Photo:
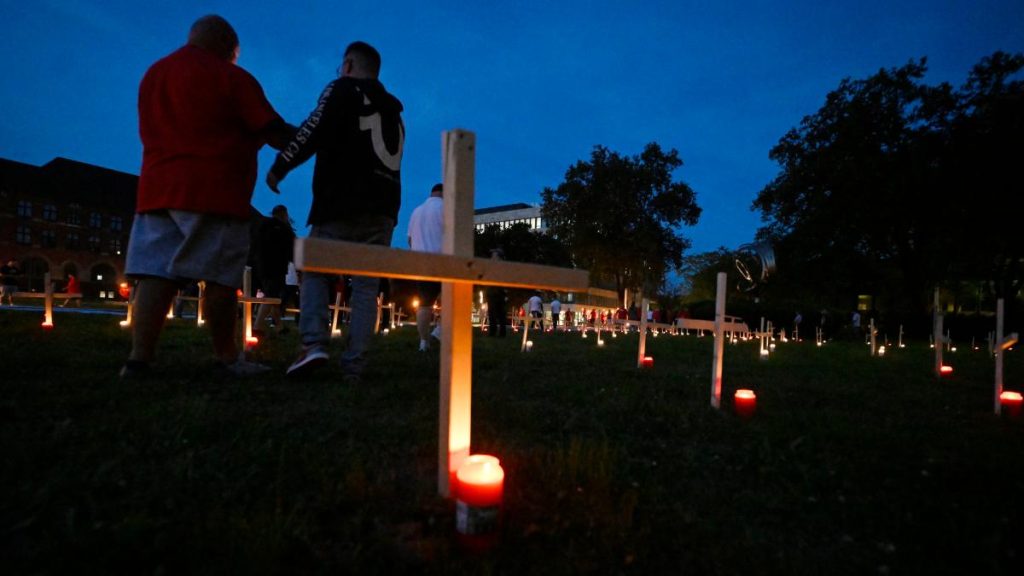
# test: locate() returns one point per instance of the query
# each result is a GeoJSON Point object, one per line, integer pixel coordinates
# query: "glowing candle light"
{"type": "Point", "coordinates": [1010, 403]}
{"type": "Point", "coordinates": [648, 362]}
{"type": "Point", "coordinates": [47, 325]}
{"type": "Point", "coordinates": [252, 341]}
{"type": "Point", "coordinates": [600, 342]}
{"type": "Point", "coordinates": [386, 331]}
{"type": "Point", "coordinates": [744, 402]}
{"type": "Point", "coordinates": [479, 488]}
{"type": "Point", "coordinates": [946, 369]}
{"type": "Point", "coordinates": [529, 345]}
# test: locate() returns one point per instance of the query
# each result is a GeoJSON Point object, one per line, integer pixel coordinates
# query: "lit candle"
{"type": "Point", "coordinates": [479, 486]}
{"type": "Point", "coordinates": [1011, 403]}
{"type": "Point", "coordinates": [946, 369]}
{"type": "Point", "coordinates": [648, 362]}
{"type": "Point", "coordinates": [529, 345]}
{"type": "Point", "coordinates": [744, 402]}
{"type": "Point", "coordinates": [47, 325]}
{"type": "Point", "coordinates": [252, 341]}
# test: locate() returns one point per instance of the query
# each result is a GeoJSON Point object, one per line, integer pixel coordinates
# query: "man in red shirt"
{"type": "Point", "coordinates": [202, 120]}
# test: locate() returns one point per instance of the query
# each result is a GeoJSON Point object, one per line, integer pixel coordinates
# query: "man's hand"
{"type": "Point", "coordinates": [272, 182]}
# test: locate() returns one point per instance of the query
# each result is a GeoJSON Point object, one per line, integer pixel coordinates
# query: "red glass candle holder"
{"type": "Point", "coordinates": [745, 403]}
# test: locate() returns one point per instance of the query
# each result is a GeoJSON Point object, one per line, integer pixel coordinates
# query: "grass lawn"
{"type": "Point", "coordinates": [852, 464]}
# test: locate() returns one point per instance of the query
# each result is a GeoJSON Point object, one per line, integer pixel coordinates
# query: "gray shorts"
{"type": "Point", "coordinates": [183, 246]}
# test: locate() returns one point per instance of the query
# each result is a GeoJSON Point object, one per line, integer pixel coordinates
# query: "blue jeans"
{"type": "Point", "coordinates": [315, 292]}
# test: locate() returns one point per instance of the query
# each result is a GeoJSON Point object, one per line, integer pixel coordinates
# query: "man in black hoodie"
{"type": "Point", "coordinates": [357, 134]}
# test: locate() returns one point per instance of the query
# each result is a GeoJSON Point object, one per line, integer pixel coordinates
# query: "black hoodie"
{"type": "Point", "coordinates": [357, 134]}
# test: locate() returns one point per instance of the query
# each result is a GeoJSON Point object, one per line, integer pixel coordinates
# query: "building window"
{"type": "Point", "coordinates": [116, 223]}
{"type": "Point", "coordinates": [48, 239]}
{"type": "Point", "coordinates": [115, 246]}
{"type": "Point", "coordinates": [95, 220]}
{"type": "Point", "coordinates": [50, 213]}
{"type": "Point", "coordinates": [74, 218]}
{"type": "Point", "coordinates": [24, 235]}
{"type": "Point", "coordinates": [71, 241]}
{"type": "Point", "coordinates": [24, 209]}
{"type": "Point", "coordinates": [94, 243]}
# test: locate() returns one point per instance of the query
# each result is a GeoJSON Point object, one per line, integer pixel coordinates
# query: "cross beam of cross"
{"type": "Point", "coordinates": [458, 270]}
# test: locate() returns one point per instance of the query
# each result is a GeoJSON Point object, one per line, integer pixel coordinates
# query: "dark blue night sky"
{"type": "Point", "coordinates": [539, 82]}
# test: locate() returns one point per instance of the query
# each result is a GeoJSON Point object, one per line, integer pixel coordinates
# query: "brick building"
{"type": "Point", "coordinates": [66, 217]}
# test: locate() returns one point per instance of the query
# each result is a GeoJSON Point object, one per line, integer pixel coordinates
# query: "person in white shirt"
{"type": "Point", "coordinates": [535, 306]}
{"type": "Point", "coordinates": [426, 228]}
{"type": "Point", "coordinates": [556, 310]}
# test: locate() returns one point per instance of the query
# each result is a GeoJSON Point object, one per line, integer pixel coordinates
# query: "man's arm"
{"type": "Point", "coordinates": [278, 134]}
{"type": "Point", "coordinates": [303, 143]}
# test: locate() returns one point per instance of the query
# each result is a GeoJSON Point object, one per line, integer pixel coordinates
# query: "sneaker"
{"type": "Point", "coordinates": [436, 333]}
{"type": "Point", "coordinates": [310, 358]}
{"type": "Point", "coordinates": [424, 346]}
{"type": "Point", "coordinates": [243, 367]}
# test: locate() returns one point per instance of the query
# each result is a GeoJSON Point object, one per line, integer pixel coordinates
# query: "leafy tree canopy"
{"type": "Point", "coordinates": [897, 183]}
{"type": "Point", "coordinates": [619, 216]}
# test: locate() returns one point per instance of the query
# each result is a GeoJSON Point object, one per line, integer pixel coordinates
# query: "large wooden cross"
{"type": "Point", "coordinates": [458, 270]}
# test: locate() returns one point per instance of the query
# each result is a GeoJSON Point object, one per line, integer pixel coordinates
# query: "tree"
{"type": "Point", "coordinates": [877, 189]}
{"type": "Point", "coordinates": [618, 215]}
{"type": "Point", "coordinates": [521, 244]}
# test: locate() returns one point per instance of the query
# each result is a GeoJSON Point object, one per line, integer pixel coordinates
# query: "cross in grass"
{"type": "Point", "coordinates": [457, 270]}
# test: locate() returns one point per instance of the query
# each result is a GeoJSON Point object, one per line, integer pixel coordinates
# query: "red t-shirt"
{"type": "Point", "coordinates": [200, 119]}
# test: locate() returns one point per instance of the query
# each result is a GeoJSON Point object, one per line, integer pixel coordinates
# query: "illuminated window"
{"type": "Point", "coordinates": [24, 235]}
{"type": "Point", "coordinates": [24, 209]}
{"type": "Point", "coordinates": [95, 220]}
{"type": "Point", "coordinates": [50, 213]}
{"type": "Point", "coordinates": [116, 223]}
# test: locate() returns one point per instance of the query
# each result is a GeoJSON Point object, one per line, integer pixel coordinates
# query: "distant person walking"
{"type": "Point", "coordinates": [275, 243]}
{"type": "Point", "coordinates": [202, 120]}
{"type": "Point", "coordinates": [72, 287]}
{"type": "Point", "coordinates": [9, 283]}
{"type": "Point", "coordinates": [497, 311]}
{"type": "Point", "coordinates": [556, 311]}
{"type": "Point", "coordinates": [536, 309]}
{"type": "Point", "coordinates": [357, 135]}
{"type": "Point", "coordinates": [426, 229]}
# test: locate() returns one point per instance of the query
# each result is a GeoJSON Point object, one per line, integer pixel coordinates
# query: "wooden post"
{"type": "Point", "coordinates": [200, 303]}
{"type": "Point", "coordinates": [526, 331]}
{"type": "Point", "coordinates": [380, 310]}
{"type": "Point", "coordinates": [127, 322]}
{"type": "Point", "coordinates": [999, 355]}
{"type": "Point", "coordinates": [642, 351]}
{"type": "Point", "coordinates": [458, 167]}
{"type": "Point", "coordinates": [937, 335]}
{"type": "Point", "coordinates": [48, 301]}
{"type": "Point", "coordinates": [334, 318]}
{"type": "Point", "coordinates": [871, 329]}
{"type": "Point", "coordinates": [247, 306]}
{"type": "Point", "coordinates": [719, 343]}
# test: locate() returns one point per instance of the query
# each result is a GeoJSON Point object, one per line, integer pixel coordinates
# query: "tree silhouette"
{"type": "Point", "coordinates": [619, 216]}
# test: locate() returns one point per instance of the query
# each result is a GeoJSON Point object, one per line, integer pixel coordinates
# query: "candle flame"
{"type": "Point", "coordinates": [745, 394]}
{"type": "Point", "coordinates": [1011, 397]}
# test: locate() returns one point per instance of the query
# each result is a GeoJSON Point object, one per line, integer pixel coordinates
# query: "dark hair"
{"type": "Point", "coordinates": [213, 33]}
{"type": "Point", "coordinates": [437, 188]}
{"type": "Point", "coordinates": [280, 208]}
{"type": "Point", "coordinates": [365, 57]}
